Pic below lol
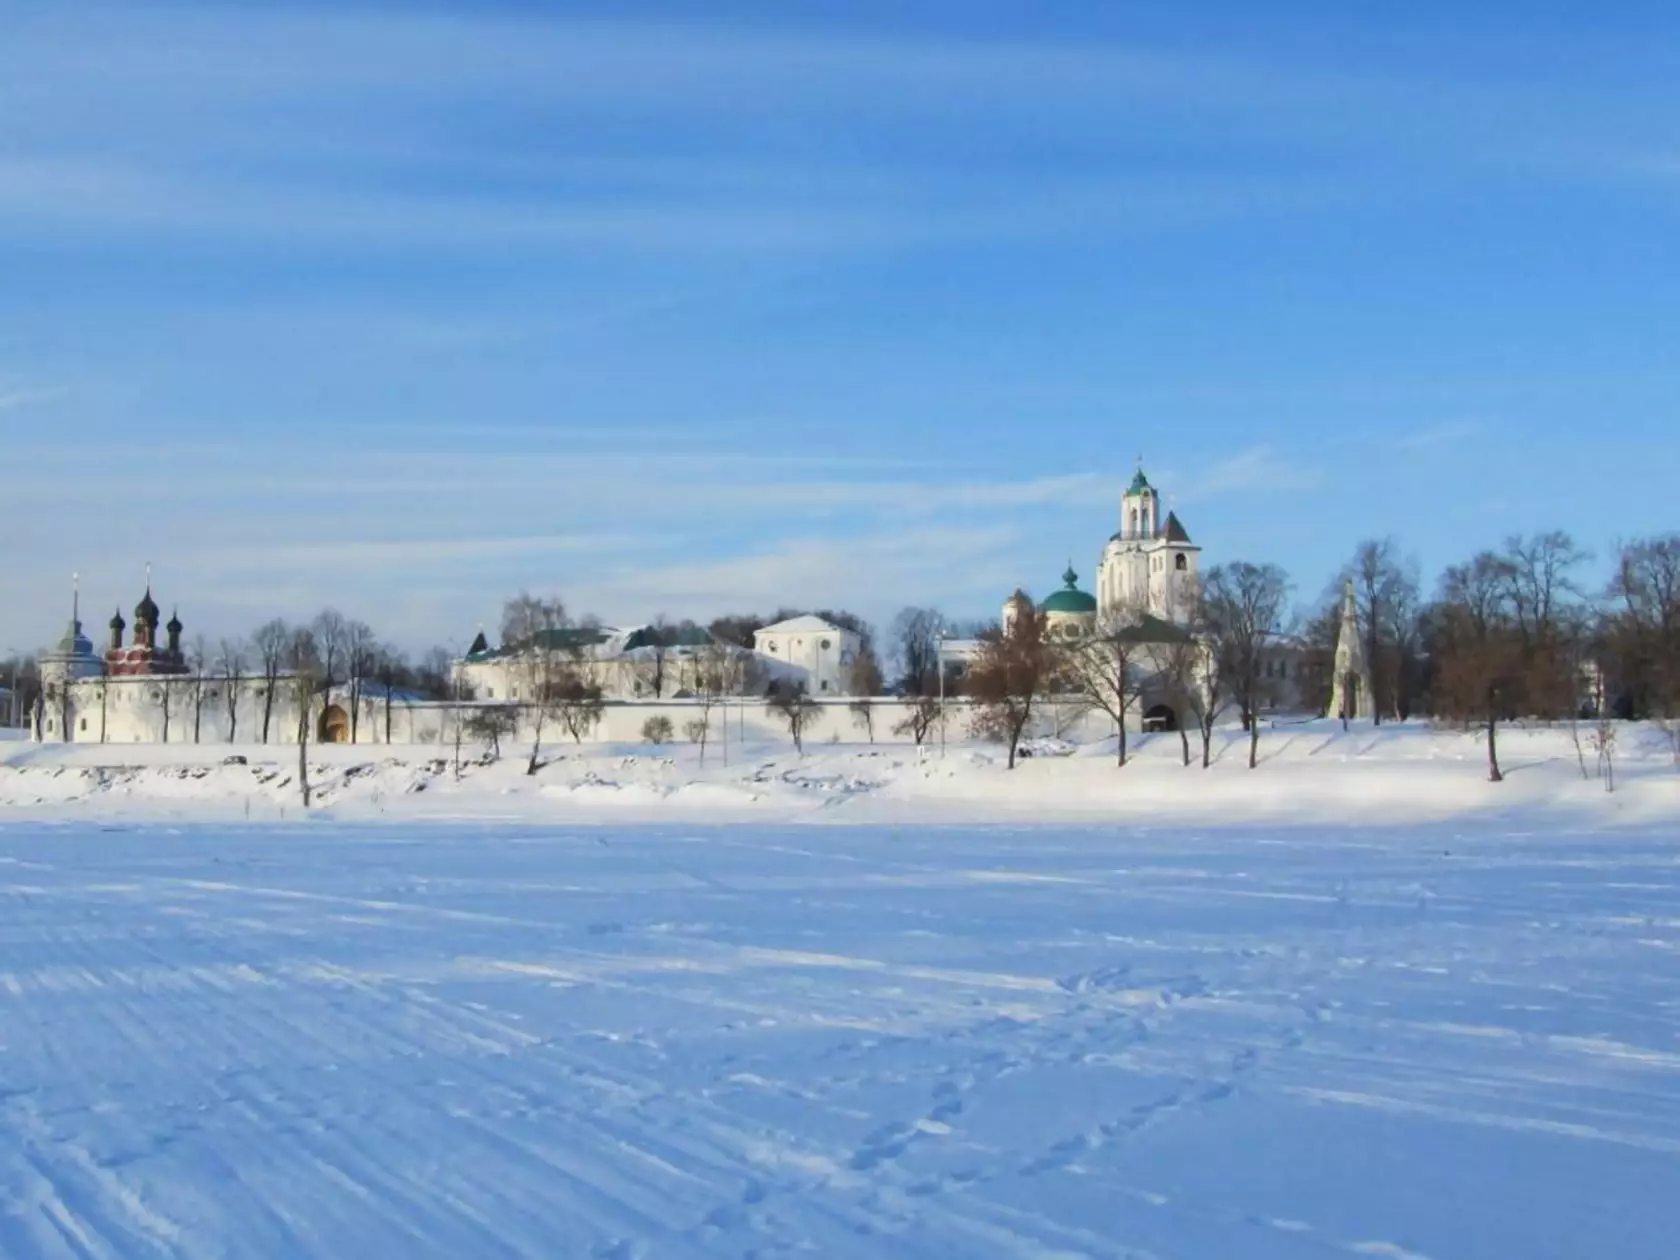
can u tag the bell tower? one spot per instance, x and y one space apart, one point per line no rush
1140 509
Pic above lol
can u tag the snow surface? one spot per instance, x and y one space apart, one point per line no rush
1358 1002
1309 772
1448 1040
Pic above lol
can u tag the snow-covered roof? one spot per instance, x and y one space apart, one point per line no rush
806 625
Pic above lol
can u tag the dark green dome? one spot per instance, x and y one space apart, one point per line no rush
1140 483
1070 599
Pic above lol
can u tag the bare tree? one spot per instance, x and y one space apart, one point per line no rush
166 697
1316 680
1246 606
1010 677
389 670
272 640
23 680
434 676
331 632
865 683
661 639
104 685
721 670
1478 649
1644 631
361 652
308 676
1386 590
915 638
737 629
1403 636
230 663
578 703
862 709
1104 671
533 629
796 710
1178 665
923 714
1545 602
491 723
198 660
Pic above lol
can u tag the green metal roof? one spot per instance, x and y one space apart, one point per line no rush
566 640
1140 483
1070 599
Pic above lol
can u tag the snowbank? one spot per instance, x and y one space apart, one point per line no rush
1310 772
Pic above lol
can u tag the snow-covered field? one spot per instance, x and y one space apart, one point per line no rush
417 1038
1357 1002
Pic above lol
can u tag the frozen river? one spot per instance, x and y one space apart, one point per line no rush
1447 1041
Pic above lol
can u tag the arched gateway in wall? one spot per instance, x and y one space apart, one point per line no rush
1160 717
334 726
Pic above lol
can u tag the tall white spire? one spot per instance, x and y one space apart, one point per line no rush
1351 694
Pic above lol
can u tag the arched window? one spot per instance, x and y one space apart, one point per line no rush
1182 562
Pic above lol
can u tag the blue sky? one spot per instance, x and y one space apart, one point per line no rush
693 308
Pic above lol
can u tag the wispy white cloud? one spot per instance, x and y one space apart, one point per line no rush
426 538
1436 437
1258 468
10 400
874 570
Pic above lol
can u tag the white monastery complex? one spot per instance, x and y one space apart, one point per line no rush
143 688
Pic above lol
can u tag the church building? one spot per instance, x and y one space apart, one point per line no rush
1149 566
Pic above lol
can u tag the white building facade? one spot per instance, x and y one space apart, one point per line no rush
809 652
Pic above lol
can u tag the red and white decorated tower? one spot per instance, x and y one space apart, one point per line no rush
145 657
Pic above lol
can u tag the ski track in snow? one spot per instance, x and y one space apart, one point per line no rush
1439 1043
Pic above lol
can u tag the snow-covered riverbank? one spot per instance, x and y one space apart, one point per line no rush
1312 772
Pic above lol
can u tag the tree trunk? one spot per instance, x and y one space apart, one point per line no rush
1254 743
1207 743
387 713
1184 742
1495 775
536 749
303 751
1122 737
1374 664
268 703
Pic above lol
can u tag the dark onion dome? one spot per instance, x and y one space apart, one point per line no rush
1070 599
146 611
174 626
117 622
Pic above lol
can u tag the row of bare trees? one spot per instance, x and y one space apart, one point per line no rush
1214 662
1513 633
